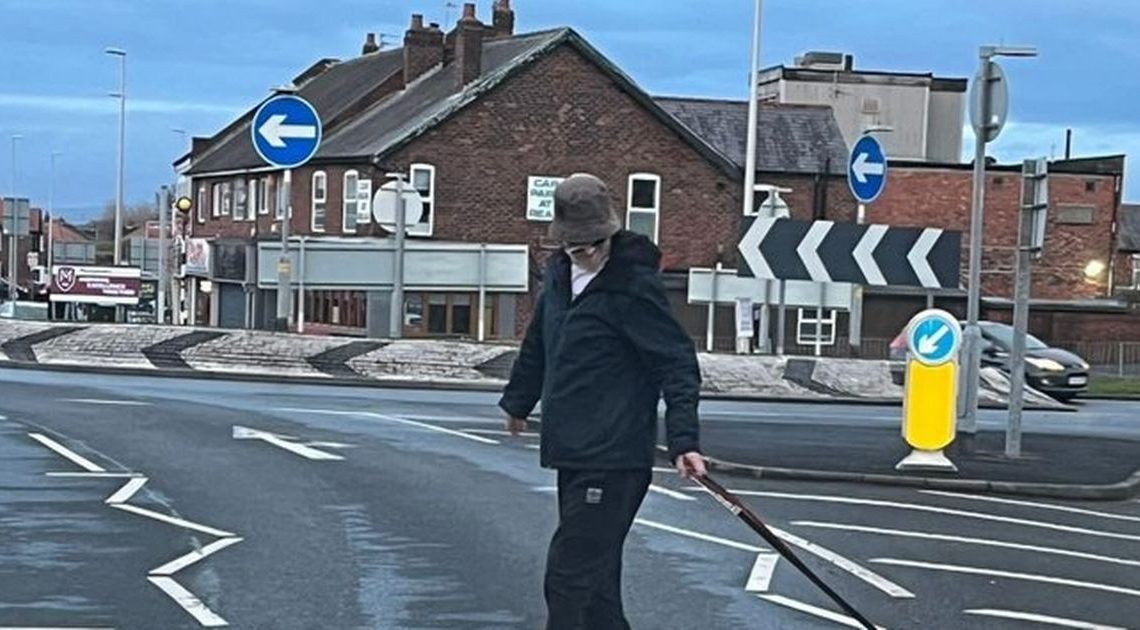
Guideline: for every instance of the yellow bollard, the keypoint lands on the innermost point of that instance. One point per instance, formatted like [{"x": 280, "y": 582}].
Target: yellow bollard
[{"x": 931, "y": 390}]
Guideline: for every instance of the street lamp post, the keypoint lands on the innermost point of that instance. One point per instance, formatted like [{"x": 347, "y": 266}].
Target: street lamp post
[
  {"x": 122, "y": 96},
  {"x": 985, "y": 130},
  {"x": 51, "y": 215}
]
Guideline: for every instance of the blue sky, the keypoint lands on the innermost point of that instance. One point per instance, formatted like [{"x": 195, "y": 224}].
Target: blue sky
[{"x": 196, "y": 64}]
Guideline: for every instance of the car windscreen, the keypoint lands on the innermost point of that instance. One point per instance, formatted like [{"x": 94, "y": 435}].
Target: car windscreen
[{"x": 1003, "y": 335}]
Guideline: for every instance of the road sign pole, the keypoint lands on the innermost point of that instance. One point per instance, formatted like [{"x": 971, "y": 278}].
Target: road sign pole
[
  {"x": 284, "y": 264},
  {"x": 396, "y": 321}
]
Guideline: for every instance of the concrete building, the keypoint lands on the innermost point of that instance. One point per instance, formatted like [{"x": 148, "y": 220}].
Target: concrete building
[{"x": 926, "y": 112}]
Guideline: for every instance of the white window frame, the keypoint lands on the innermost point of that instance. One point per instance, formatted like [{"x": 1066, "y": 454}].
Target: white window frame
[
  {"x": 349, "y": 197},
  {"x": 429, "y": 198},
  {"x": 363, "y": 201},
  {"x": 314, "y": 200},
  {"x": 655, "y": 211},
  {"x": 227, "y": 199},
  {"x": 203, "y": 199},
  {"x": 807, "y": 322},
  {"x": 251, "y": 199},
  {"x": 216, "y": 199},
  {"x": 263, "y": 196},
  {"x": 237, "y": 213},
  {"x": 1136, "y": 271}
]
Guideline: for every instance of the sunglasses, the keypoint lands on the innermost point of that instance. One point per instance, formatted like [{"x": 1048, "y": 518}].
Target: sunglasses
[{"x": 574, "y": 249}]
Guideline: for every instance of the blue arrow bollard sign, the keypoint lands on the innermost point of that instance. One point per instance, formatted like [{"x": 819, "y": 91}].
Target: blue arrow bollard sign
[
  {"x": 286, "y": 131},
  {"x": 867, "y": 169},
  {"x": 934, "y": 337}
]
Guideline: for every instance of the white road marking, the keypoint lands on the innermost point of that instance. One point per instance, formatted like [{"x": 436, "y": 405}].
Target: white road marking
[
  {"x": 99, "y": 401},
  {"x": 188, "y": 601},
  {"x": 822, "y": 613},
  {"x": 60, "y": 449},
  {"x": 663, "y": 469},
  {"x": 91, "y": 474},
  {"x": 396, "y": 419},
  {"x": 533, "y": 447},
  {"x": 859, "y": 571},
  {"x": 936, "y": 510},
  {"x": 699, "y": 536},
  {"x": 52, "y": 627},
  {"x": 1029, "y": 577},
  {"x": 124, "y": 494},
  {"x": 966, "y": 540},
  {"x": 166, "y": 518},
  {"x": 1044, "y": 619},
  {"x": 245, "y": 433},
  {"x": 545, "y": 488},
  {"x": 176, "y": 565},
  {"x": 1033, "y": 504},
  {"x": 427, "y": 418},
  {"x": 760, "y": 578},
  {"x": 672, "y": 494},
  {"x": 498, "y": 432},
  {"x": 330, "y": 445}
]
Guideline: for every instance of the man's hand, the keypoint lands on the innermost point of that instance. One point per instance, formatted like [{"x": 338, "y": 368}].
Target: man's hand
[
  {"x": 516, "y": 425},
  {"x": 691, "y": 465}
]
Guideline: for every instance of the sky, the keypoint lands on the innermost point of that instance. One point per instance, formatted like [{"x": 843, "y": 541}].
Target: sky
[{"x": 196, "y": 65}]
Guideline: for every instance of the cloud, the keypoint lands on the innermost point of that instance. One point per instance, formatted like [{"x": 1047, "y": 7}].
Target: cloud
[{"x": 91, "y": 105}]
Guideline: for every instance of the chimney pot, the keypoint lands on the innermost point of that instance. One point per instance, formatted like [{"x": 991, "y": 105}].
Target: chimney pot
[
  {"x": 434, "y": 26},
  {"x": 370, "y": 45},
  {"x": 469, "y": 11},
  {"x": 417, "y": 22}
]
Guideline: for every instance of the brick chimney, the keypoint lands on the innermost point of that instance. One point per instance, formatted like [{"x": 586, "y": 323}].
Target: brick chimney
[
  {"x": 469, "y": 45},
  {"x": 370, "y": 45},
  {"x": 423, "y": 49},
  {"x": 503, "y": 19}
]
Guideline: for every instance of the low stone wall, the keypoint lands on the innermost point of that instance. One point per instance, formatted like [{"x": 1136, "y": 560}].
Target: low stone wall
[{"x": 244, "y": 352}]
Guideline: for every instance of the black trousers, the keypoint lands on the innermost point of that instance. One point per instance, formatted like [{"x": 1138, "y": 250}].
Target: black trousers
[{"x": 583, "y": 565}]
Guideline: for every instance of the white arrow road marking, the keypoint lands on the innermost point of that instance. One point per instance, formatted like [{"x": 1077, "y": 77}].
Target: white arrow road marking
[
  {"x": 1033, "y": 504},
  {"x": 245, "y": 433},
  {"x": 918, "y": 254},
  {"x": 177, "y": 522},
  {"x": 72, "y": 456},
  {"x": 176, "y": 565},
  {"x": 188, "y": 601},
  {"x": 128, "y": 490},
  {"x": 937, "y": 510},
  {"x": 760, "y": 578},
  {"x": 673, "y": 494},
  {"x": 396, "y": 419},
  {"x": 859, "y": 571},
  {"x": 902, "y": 533},
  {"x": 862, "y": 168},
  {"x": 822, "y": 613},
  {"x": 1028, "y": 577},
  {"x": 864, "y": 254},
  {"x": 929, "y": 343},
  {"x": 1060, "y": 622},
  {"x": 750, "y": 247},
  {"x": 274, "y": 130},
  {"x": 808, "y": 250},
  {"x": 330, "y": 444}
]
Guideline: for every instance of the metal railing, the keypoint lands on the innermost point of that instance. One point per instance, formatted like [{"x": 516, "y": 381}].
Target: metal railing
[{"x": 1113, "y": 358}]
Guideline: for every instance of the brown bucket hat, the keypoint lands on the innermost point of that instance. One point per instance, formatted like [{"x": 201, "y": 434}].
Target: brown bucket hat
[{"x": 582, "y": 211}]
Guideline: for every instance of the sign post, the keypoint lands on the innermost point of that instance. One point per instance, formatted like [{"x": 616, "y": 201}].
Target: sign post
[
  {"x": 286, "y": 133},
  {"x": 931, "y": 390}
]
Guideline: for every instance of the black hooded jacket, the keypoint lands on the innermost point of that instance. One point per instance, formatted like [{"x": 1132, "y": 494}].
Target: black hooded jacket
[{"x": 601, "y": 362}]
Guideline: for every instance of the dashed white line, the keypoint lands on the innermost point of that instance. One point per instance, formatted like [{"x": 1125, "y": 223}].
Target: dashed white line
[
  {"x": 176, "y": 565},
  {"x": 396, "y": 419},
  {"x": 699, "y": 536},
  {"x": 672, "y": 494},
  {"x": 245, "y": 433},
  {"x": 966, "y": 540},
  {"x": 816, "y": 611},
  {"x": 188, "y": 601},
  {"x": 124, "y": 494},
  {"x": 498, "y": 432},
  {"x": 937, "y": 510},
  {"x": 100, "y": 401},
  {"x": 760, "y": 577},
  {"x": 855, "y": 569},
  {"x": 1043, "y": 619},
  {"x": 94, "y": 475},
  {"x": 533, "y": 447},
  {"x": 63, "y": 451},
  {"x": 1028, "y": 577},
  {"x": 178, "y": 522},
  {"x": 1032, "y": 504}
]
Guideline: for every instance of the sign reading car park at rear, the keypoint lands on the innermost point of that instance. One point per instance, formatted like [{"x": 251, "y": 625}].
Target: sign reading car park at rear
[
  {"x": 867, "y": 169},
  {"x": 286, "y": 131}
]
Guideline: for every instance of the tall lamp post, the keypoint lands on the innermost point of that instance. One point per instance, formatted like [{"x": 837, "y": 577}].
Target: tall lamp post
[{"x": 122, "y": 96}]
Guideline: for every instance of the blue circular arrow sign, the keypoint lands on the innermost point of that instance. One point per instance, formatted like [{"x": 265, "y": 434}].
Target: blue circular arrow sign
[
  {"x": 934, "y": 337},
  {"x": 286, "y": 131},
  {"x": 867, "y": 169}
]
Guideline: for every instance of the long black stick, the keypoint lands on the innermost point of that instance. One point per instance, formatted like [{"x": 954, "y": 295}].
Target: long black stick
[{"x": 737, "y": 507}]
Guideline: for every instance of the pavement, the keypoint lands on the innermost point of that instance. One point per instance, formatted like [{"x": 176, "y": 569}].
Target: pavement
[{"x": 287, "y": 506}]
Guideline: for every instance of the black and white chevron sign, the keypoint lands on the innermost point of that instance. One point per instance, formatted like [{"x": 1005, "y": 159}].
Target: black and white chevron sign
[{"x": 826, "y": 251}]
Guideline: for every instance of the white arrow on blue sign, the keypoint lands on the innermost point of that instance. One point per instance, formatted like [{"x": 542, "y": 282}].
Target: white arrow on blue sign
[
  {"x": 867, "y": 169},
  {"x": 286, "y": 131},
  {"x": 934, "y": 337}
]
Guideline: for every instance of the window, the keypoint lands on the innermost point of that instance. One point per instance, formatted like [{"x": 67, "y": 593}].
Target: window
[
  {"x": 202, "y": 200},
  {"x": 251, "y": 200},
  {"x": 263, "y": 189},
  {"x": 1090, "y": 185},
  {"x": 216, "y": 207},
  {"x": 227, "y": 199},
  {"x": 644, "y": 199},
  {"x": 446, "y": 314},
  {"x": 240, "y": 200},
  {"x": 275, "y": 200},
  {"x": 1076, "y": 215},
  {"x": 364, "y": 201},
  {"x": 423, "y": 180},
  {"x": 806, "y": 325},
  {"x": 320, "y": 201},
  {"x": 1136, "y": 271},
  {"x": 357, "y": 200}
]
